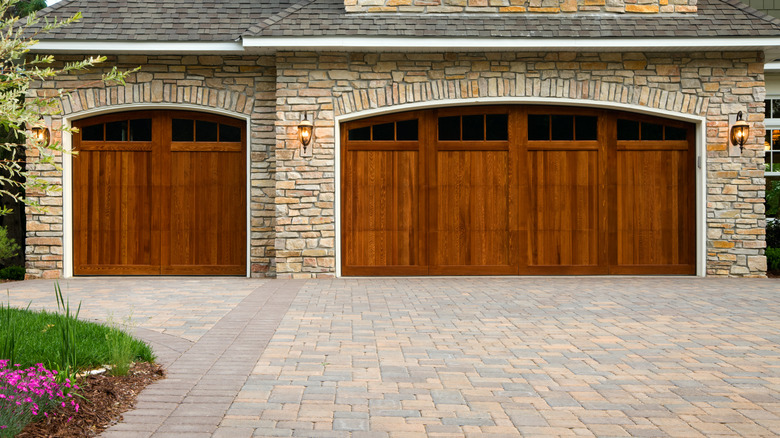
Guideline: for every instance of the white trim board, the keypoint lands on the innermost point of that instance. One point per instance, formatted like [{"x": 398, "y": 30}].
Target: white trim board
[
  {"x": 67, "y": 170},
  {"x": 143, "y": 47},
  {"x": 404, "y": 43},
  {"x": 701, "y": 155},
  {"x": 524, "y": 44}
]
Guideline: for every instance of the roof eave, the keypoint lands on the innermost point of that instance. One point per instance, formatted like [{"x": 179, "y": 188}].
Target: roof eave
[{"x": 137, "y": 47}]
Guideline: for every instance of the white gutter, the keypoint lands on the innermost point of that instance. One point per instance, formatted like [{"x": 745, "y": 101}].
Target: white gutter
[
  {"x": 660, "y": 44},
  {"x": 772, "y": 66},
  {"x": 110, "y": 47}
]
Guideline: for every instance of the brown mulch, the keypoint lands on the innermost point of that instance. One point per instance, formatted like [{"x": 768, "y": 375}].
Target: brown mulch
[{"x": 106, "y": 397}]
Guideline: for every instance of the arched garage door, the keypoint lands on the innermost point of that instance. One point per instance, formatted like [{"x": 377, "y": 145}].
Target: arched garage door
[
  {"x": 517, "y": 190},
  {"x": 159, "y": 193}
]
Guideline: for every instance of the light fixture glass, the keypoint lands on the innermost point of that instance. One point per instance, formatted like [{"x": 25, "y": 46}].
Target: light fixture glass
[
  {"x": 739, "y": 132},
  {"x": 41, "y": 134},
  {"x": 305, "y": 132}
]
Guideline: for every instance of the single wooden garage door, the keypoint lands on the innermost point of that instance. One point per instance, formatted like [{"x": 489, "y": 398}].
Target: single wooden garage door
[
  {"x": 517, "y": 190},
  {"x": 159, "y": 193}
]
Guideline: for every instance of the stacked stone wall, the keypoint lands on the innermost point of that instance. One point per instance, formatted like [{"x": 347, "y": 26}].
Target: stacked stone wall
[
  {"x": 239, "y": 84},
  {"x": 711, "y": 85},
  {"x": 293, "y": 211}
]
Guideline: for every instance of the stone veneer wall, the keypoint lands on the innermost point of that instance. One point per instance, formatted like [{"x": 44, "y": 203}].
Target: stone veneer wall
[
  {"x": 523, "y": 6},
  {"x": 293, "y": 198},
  {"x": 711, "y": 84},
  {"x": 241, "y": 84}
]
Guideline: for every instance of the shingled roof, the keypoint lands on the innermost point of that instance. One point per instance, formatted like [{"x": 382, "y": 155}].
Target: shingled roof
[
  {"x": 223, "y": 20},
  {"x": 160, "y": 20}
]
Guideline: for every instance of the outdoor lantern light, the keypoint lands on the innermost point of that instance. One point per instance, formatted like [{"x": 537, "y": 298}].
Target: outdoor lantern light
[
  {"x": 305, "y": 132},
  {"x": 739, "y": 132},
  {"x": 41, "y": 134}
]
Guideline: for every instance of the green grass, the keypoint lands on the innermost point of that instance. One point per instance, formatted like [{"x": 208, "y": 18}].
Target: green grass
[{"x": 38, "y": 340}]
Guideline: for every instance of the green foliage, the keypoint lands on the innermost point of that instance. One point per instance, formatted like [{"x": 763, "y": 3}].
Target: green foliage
[
  {"x": 26, "y": 7},
  {"x": 66, "y": 363},
  {"x": 12, "y": 273},
  {"x": 8, "y": 247},
  {"x": 9, "y": 333},
  {"x": 120, "y": 352},
  {"x": 22, "y": 108},
  {"x": 773, "y": 233},
  {"x": 773, "y": 259},
  {"x": 772, "y": 198},
  {"x": 41, "y": 340}
]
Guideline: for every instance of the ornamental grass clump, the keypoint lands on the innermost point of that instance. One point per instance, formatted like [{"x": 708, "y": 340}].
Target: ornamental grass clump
[{"x": 27, "y": 395}]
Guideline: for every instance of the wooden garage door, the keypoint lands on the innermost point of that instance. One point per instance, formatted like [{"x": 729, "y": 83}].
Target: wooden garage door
[
  {"x": 159, "y": 193},
  {"x": 517, "y": 190}
]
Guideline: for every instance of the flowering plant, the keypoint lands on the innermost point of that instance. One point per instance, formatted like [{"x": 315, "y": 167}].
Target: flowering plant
[{"x": 27, "y": 395}]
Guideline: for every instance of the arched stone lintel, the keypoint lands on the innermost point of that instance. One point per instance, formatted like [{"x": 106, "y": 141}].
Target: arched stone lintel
[
  {"x": 151, "y": 93},
  {"x": 521, "y": 86}
]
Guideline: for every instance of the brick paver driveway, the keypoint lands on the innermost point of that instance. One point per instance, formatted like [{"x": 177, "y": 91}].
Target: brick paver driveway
[{"x": 461, "y": 357}]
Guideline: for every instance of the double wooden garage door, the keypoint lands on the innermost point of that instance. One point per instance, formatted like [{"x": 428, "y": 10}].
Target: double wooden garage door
[
  {"x": 517, "y": 190},
  {"x": 159, "y": 193}
]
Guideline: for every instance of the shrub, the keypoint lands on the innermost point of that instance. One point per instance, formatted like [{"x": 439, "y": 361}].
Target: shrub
[
  {"x": 12, "y": 273},
  {"x": 773, "y": 259},
  {"x": 773, "y": 233},
  {"x": 8, "y": 247}
]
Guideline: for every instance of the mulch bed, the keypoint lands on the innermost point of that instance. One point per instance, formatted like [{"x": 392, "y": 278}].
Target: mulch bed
[{"x": 107, "y": 397}]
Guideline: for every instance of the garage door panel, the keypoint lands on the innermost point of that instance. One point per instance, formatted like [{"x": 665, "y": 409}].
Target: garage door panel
[
  {"x": 472, "y": 209},
  {"x": 122, "y": 182},
  {"x": 521, "y": 190},
  {"x": 563, "y": 225},
  {"x": 140, "y": 209},
  {"x": 382, "y": 207},
  {"x": 203, "y": 231},
  {"x": 654, "y": 211}
]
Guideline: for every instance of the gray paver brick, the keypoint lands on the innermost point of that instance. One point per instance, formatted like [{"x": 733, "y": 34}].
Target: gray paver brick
[{"x": 449, "y": 357}]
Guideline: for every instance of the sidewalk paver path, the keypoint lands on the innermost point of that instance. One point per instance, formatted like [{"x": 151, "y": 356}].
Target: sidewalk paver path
[{"x": 459, "y": 357}]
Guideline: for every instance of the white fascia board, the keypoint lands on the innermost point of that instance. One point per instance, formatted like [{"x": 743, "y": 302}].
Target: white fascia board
[
  {"x": 772, "y": 66},
  {"x": 137, "y": 46},
  {"x": 386, "y": 43}
]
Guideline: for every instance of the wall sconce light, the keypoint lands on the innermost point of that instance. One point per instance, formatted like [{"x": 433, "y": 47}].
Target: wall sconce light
[
  {"x": 41, "y": 132},
  {"x": 305, "y": 132},
  {"x": 740, "y": 131}
]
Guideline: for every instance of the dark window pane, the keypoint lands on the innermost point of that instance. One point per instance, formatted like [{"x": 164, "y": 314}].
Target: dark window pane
[
  {"x": 675, "y": 133},
  {"x": 406, "y": 130},
  {"x": 181, "y": 130},
  {"x": 768, "y": 140},
  {"x": 229, "y": 133},
  {"x": 359, "y": 134},
  {"x": 92, "y": 133},
  {"x": 776, "y": 108},
  {"x": 385, "y": 131},
  {"x": 627, "y": 130},
  {"x": 586, "y": 127},
  {"x": 776, "y": 139},
  {"x": 141, "y": 130},
  {"x": 449, "y": 128},
  {"x": 474, "y": 127},
  {"x": 562, "y": 127},
  {"x": 205, "y": 131},
  {"x": 497, "y": 127},
  {"x": 116, "y": 131},
  {"x": 538, "y": 127},
  {"x": 652, "y": 131},
  {"x": 767, "y": 108}
]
